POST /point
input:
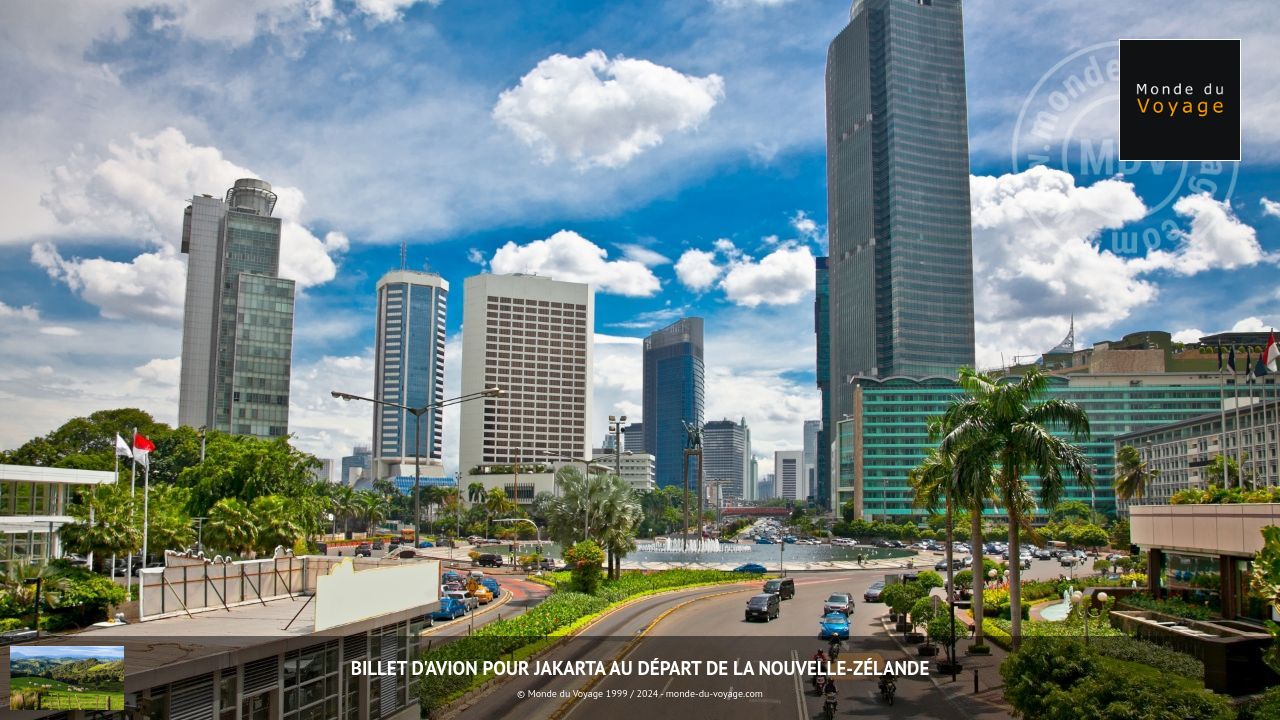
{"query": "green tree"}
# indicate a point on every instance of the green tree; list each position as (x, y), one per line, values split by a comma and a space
(619, 517)
(584, 561)
(1043, 665)
(231, 527)
(1214, 471)
(112, 531)
(1088, 535)
(169, 526)
(276, 521)
(1132, 474)
(373, 508)
(1265, 583)
(1008, 427)
(1118, 534)
(342, 504)
(1071, 511)
(476, 493)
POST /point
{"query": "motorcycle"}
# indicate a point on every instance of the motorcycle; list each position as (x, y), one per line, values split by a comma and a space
(833, 651)
(887, 689)
(819, 682)
(829, 707)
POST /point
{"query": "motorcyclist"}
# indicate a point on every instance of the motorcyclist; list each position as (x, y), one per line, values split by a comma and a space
(830, 699)
(818, 676)
(887, 680)
(833, 650)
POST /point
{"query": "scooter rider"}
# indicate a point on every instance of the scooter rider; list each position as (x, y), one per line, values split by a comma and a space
(888, 680)
(833, 650)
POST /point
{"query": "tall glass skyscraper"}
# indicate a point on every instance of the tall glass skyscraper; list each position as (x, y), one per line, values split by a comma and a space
(726, 445)
(822, 328)
(673, 392)
(409, 366)
(900, 265)
(237, 327)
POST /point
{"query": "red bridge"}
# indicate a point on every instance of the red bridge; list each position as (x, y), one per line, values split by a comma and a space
(755, 511)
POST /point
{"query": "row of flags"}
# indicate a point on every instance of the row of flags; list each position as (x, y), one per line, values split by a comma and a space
(1267, 360)
(140, 452)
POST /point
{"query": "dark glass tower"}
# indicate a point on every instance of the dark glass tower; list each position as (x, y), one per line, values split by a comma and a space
(673, 394)
(901, 263)
(822, 328)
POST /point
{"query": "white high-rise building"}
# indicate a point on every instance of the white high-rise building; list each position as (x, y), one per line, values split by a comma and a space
(788, 471)
(811, 430)
(531, 337)
(409, 370)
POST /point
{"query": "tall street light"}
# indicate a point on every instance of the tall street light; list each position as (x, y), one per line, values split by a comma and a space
(615, 427)
(417, 435)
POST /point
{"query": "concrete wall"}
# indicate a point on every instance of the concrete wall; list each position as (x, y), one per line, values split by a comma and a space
(1205, 529)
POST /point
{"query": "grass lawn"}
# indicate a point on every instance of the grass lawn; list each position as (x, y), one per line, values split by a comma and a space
(1146, 671)
(56, 695)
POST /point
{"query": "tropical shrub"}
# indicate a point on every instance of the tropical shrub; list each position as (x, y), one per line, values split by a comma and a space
(1149, 653)
(940, 627)
(584, 560)
(1263, 707)
(929, 579)
(995, 603)
(921, 612)
(1040, 667)
(1171, 606)
(1115, 695)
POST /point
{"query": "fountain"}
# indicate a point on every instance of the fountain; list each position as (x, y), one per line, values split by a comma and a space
(1059, 612)
(696, 545)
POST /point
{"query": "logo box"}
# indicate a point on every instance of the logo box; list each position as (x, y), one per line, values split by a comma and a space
(1180, 100)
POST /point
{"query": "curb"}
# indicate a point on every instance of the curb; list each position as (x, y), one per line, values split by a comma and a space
(494, 605)
(567, 706)
(953, 700)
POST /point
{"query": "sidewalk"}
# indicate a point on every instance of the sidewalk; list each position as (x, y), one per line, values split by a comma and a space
(988, 703)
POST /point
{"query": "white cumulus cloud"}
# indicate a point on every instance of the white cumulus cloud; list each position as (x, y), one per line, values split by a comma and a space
(697, 270)
(138, 191)
(597, 111)
(1270, 207)
(383, 11)
(782, 277)
(26, 312)
(567, 255)
(1217, 240)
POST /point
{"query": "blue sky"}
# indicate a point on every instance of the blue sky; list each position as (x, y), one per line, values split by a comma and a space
(671, 153)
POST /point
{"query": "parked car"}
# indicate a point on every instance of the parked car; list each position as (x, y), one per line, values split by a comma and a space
(489, 560)
(547, 564)
(838, 602)
(766, 606)
(874, 592)
(784, 587)
(1068, 560)
(833, 625)
(465, 598)
(364, 550)
(1043, 554)
(426, 544)
(137, 567)
(377, 545)
(956, 564)
(751, 568)
(450, 608)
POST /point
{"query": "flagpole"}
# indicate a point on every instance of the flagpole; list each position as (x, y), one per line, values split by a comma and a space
(146, 517)
(133, 487)
(1222, 419)
(1235, 394)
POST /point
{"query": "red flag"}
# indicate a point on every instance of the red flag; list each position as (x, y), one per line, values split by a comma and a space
(142, 448)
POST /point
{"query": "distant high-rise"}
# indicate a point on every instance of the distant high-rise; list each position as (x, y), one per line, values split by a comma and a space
(531, 337)
(633, 438)
(788, 471)
(900, 266)
(356, 465)
(673, 395)
(811, 430)
(409, 366)
(822, 328)
(752, 491)
(237, 324)
(726, 446)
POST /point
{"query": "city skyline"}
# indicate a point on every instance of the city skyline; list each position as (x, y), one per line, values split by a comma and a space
(713, 205)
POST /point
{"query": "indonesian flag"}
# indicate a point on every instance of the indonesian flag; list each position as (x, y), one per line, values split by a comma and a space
(122, 447)
(142, 448)
(1270, 353)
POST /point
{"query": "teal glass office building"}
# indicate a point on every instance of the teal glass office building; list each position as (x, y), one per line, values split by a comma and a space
(874, 450)
(673, 395)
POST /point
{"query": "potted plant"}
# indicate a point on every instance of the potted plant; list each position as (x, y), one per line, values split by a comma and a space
(939, 628)
(900, 601)
(921, 612)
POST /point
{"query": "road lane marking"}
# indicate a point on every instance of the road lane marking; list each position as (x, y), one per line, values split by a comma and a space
(800, 711)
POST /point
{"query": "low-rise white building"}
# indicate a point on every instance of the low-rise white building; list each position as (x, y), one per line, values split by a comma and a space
(33, 506)
(638, 469)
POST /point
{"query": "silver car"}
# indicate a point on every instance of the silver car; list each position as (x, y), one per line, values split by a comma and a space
(469, 601)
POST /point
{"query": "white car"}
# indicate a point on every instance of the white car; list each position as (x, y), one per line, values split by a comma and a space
(469, 601)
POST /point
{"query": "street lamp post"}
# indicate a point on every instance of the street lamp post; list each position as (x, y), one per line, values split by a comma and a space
(1087, 611)
(37, 582)
(615, 427)
(417, 416)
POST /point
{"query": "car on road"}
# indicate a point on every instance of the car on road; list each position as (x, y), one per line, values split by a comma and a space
(956, 564)
(1043, 554)
(492, 586)
(451, 576)
(784, 587)
(874, 592)
(751, 568)
(465, 598)
(764, 606)
(450, 608)
(840, 602)
(481, 593)
(364, 550)
(489, 560)
(833, 625)
(1068, 560)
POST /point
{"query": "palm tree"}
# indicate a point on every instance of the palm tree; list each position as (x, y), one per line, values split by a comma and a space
(934, 480)
(342, 503)
(112, 531)
(373, 507)
(567, 514)
(1006, 427)
(277, 526)
(1132, 474)
(476, 492)
(231, 526)
(620, 514)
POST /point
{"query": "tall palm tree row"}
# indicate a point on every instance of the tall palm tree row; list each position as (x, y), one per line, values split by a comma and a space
(1005, 430)
(602, 508)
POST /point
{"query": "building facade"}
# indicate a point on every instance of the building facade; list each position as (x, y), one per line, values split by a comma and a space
(237, 328)
(1181, 452)
(788, 474)
(812, 428)
(409, 368)
(822, 329)
(357, 466)
(633, 437)
(638, 469)
(673, 395)
(886, 435)
(530, 336)
(33, 507)
(726, 448)
(900, 266)
(751, 492)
